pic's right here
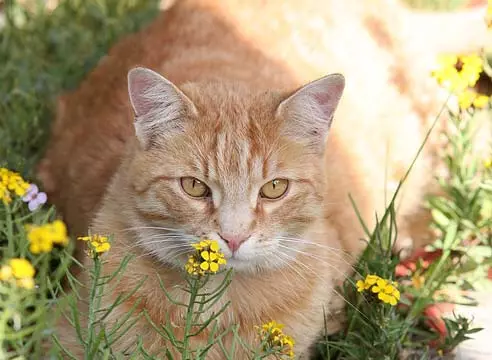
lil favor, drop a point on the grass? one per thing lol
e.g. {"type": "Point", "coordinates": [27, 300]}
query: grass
{"type": "Point", "coordinates": [46, 53]}
{"type": "Point", "coordinates": [43, 54]}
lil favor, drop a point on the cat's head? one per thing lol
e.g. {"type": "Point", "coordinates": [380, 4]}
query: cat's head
{"type": "Point", "coordinates": [225, 162]}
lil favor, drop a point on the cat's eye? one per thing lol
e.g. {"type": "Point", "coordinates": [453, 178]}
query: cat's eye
{"type": "Point", "coordinates": [274, 189]}
{"type": "Point", "coordinates": [194, 187]}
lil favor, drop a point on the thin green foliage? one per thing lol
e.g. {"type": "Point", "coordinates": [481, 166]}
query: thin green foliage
{"type": "Point", "coordinates": [44, 53]}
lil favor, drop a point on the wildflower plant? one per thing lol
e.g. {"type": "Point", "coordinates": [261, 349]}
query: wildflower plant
{"type": "Point", "coordinates": [206, 259]}
{"type": "Point", "coordinates": [93, 335]}
{"type": "Point", "coordinates": [26, 298]}
{"type": "Point", "coordinates": [275, 341]}
{"type": "Point", "coordinates": [459, 258]}
{"type": "Point", "coordinates": [202, 309]}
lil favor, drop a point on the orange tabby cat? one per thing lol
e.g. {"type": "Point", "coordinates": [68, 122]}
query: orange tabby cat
{"type": "Point", "coordinates": [229, 146]}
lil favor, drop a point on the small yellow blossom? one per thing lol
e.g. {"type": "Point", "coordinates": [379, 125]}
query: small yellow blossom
{"type": "Point", "coordinates": [19, 271]}
{"type": "Point", "coordinates": [371, 280]}
{"type": "Point", "coordinates": [43, 237]}
{"type": "Point", "coordinates": [387, 290]}
{"type": "Point", "coordinates": [5, 273]}
{"type": "Point", "coordinates": [481, 101]}
{"type": "Point", "coordinates": [4, 194]}
{"type": "Point", "coordinates": [418, 281]}
{"type": "Point", "coordinates": [21, 268]}
{"type": "Point", "coordinates": [469, 98]}
{"type": "Point", "coordinates": [361, 286]}
{"type": "Point", "coordinates": [99, 244]}
{"type": "Point", "coordinates": [11, 182]}
{"type": "Point", "coordinates": [206, 259]}
{"type": "Point", "coordinates": [472, 67]}
{"type": "Point", "coordinates": [448, 75]}
{"type": "Point", "coordinates": [488, 163]}
{"type": "Point", "coordinates": [273, 338]}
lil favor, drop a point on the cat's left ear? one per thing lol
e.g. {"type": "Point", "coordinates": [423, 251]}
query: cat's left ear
{"type": "Point", "coordinates": [308, 112]}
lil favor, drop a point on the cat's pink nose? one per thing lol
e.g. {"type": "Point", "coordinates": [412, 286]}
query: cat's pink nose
{"type": "Point", "coordinates": [234, 241]}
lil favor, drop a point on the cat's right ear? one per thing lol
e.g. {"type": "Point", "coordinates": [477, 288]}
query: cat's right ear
{"type": "Point", "coordinates": [158, 104]}
{"type": "Point", "coordinates": [308, 112]}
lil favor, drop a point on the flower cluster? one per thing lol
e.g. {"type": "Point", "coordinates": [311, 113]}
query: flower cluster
{"type": "Point", "coordinates": [11, 182]}
{"type": "Point", "coordinates": [206, 259]}
{"type": "Point", "coordinates": [98, 244]}
{"type": "Point", "coordinates": [19, 272]}
{"type": "Point", "coordinates": [273, 338]}
{"type": "Point", "coordinates": [460, 74]}
{"type": "Point", "coordinates": [387, 290]}
{"type": "Point", "coordinates": [43, 237]}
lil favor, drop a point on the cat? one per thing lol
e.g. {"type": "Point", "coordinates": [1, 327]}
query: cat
{"type": "Point", "coordinates": [213, 117]}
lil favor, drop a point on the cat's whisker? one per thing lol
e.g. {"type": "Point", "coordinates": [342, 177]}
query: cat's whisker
{"type": "Point", "coordinates": [318, 258]}
{"type": "Point", "coordinates": [175, 230]}
{"type": "Point", "coordinates": [173, 246]}
{"type": "Point", "coordinates": [315, 273]}
{"type": "Point", "coordinates": [304, 241]}
{"type": "Point", "coordinates": [144, 240]}
{"type": "Point", "coordinates": [155, 241]}
{"type": "Point", "coordinates": [292, 267]}
{"type": "Point", "coordinates": [342, 253]}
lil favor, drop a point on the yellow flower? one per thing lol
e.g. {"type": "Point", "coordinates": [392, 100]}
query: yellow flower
{"type": "Point", "coordinates": [26, 283]}
{"type": "Point", "coordinates": [273, 338]}
{"type": "Point", "coordinates": [4, 194]}
{"type": "Point", "coordinates": [361, 286]}
{"type": "Point", "coordinates": [11, 182]}
{"type": "Point", "coordinates": [469, 98]}
{"type": "Point", "coordinates": [5, 273]}
{"type": "Point", "coordinates": [418, 281]}
{"type": "Point", "coordinates": [481, 101]}
{"type": "Point", "coordinates": [19, 270]}
{"type": "Point", "coordinates": [43, 237]}
{"type": "Point", "coordinates": [448, 75]}
{"type": "Point", "coordinates": [387, 291]}
{"type": "Point", "coordinates": [371, 280]}
{"type": "Point", "coordinates": [206, 259]}
{"type": "Point", "coordinates": [488, 163]}
{"type": "Point", "coordinates": [99, 244]}
{"type": "Point", "coordinates": [472, 66]}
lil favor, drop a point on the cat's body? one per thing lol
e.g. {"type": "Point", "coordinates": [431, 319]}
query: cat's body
{"type": "Point", "coordinates": [227, 59]}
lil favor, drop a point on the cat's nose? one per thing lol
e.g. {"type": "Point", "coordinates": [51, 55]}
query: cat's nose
{"type": "Point", "coordinates": [234, 241]}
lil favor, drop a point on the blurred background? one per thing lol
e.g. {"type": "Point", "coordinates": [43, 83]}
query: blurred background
{"type": "Point", "coordinates": [48, 46]}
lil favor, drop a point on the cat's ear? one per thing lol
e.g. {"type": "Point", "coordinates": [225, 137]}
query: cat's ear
{"type": "Point", "coordinates": [158, 104]}
{"type": "Point", "coordinates": [309, 111]}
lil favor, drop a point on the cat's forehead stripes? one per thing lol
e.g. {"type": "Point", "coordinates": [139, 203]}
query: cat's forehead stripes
{"type": "Point", "coordinates": [237, 140]}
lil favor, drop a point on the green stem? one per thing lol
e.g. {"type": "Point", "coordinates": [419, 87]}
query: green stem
{"type": "Point", "coordinates": [10, 233]}
{"type": "Point", "coordinates": [96, 273]}
{"type": "Point", "coordinates": [186, 353]}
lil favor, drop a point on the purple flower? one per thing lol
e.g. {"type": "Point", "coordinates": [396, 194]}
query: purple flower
{"type": "Point", "coordinates": [34, 197]}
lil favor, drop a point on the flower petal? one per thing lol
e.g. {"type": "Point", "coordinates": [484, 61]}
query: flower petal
{"type": "Point", "coordinates": [214, 246]}
{"type": "Point", "coordinates": [214, 267]}
{"type": "Point", "coordinates": [42, 198]}
{"type": "Point", "coordinates": [33, 205]}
